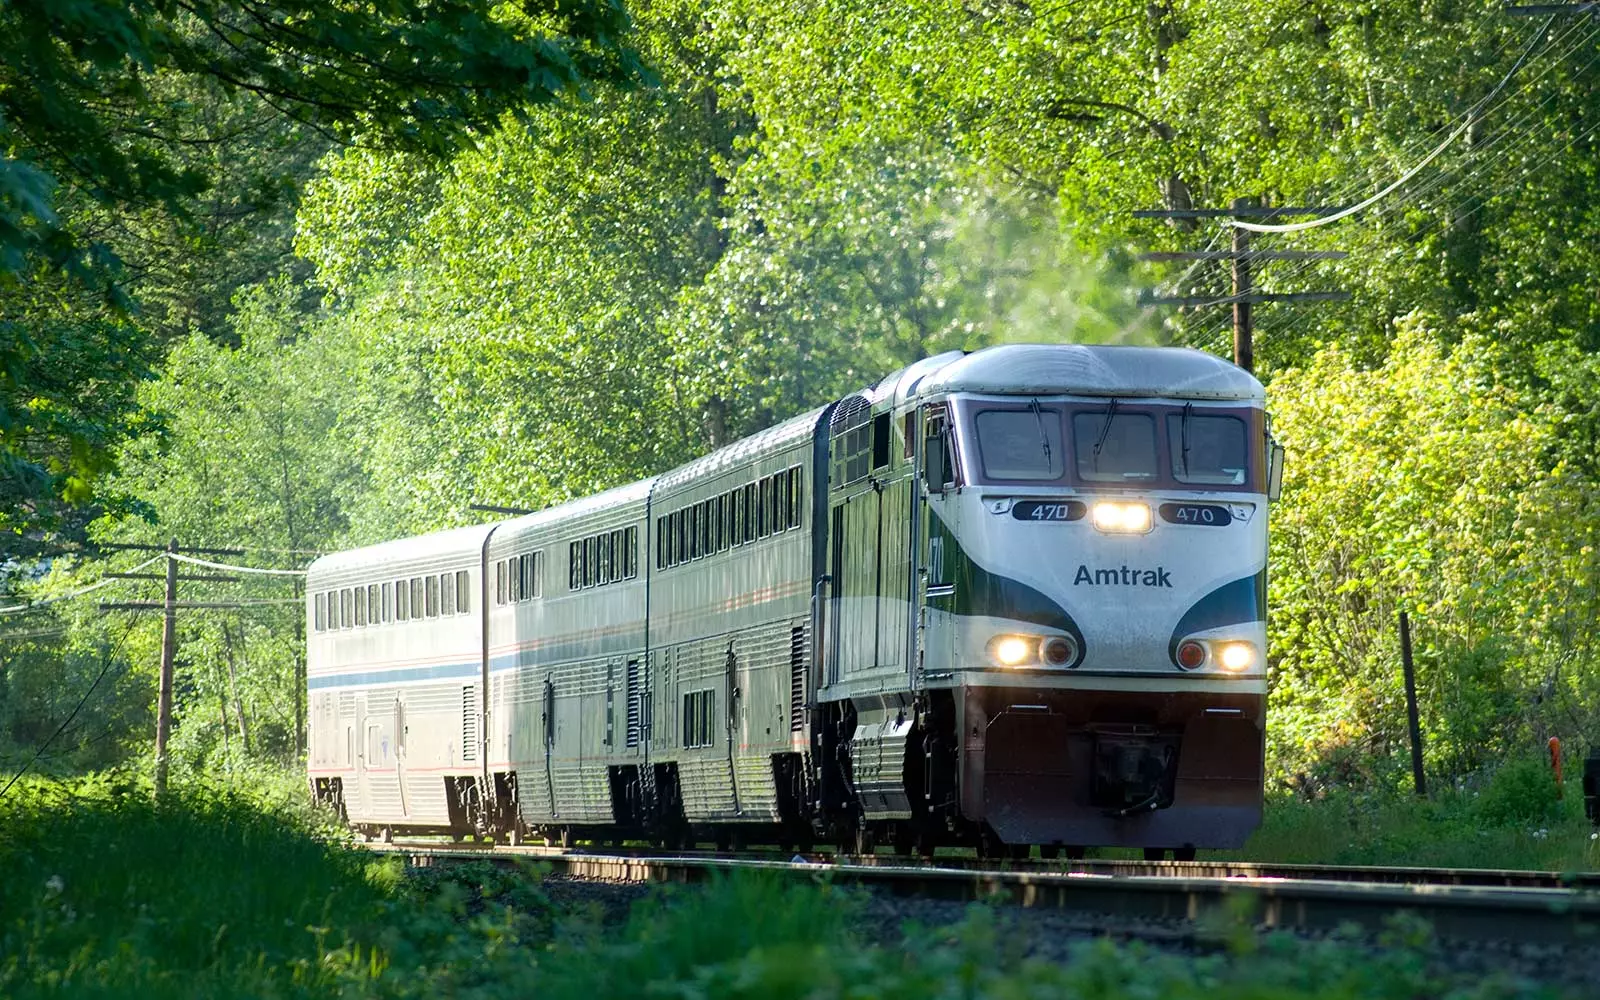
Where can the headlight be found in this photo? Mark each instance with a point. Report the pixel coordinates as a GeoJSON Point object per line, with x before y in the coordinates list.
{"type": "Point", "coordinates": [1012, 650]}
{"type": "Point", "coordinates": [1236, 656]}
{"type": "Point", "coordinates": [1121, 518]}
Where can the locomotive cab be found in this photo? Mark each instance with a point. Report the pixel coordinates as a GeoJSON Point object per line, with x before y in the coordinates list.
{"type": "Point", "coordinates": [1092, 575]}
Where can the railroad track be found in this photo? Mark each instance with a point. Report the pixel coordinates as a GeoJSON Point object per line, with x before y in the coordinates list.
{"type": "Point", "coordinates": [1464, 904]}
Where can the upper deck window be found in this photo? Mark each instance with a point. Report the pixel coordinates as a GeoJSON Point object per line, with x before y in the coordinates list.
{"type": "Point", "coordinates": [1208, 449]}
{"type": "Point", "coordinates": [1020, 444]}
{"type": "Point", "coordinates": [1113, 447]}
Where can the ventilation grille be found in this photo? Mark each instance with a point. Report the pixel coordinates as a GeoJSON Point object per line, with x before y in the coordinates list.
{"type": "Point", "coordinates": [797, 679]}
{"type": "Point", "coordinates": [635, 705]}
{"type": "Point", "coordinates": [852, 411]}
{"type": "Point", "coordinates": [469, 722]}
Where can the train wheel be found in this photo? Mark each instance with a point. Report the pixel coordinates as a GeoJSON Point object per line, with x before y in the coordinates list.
{"type": "Point", "coordinates": [1049, 852]}
{"type": "Point", "coordinates": [386, 835]}
{"type": "Point", "coordinates": [990, 846]}
{"type": "Point", "coordinates": [1075, 853]}
{"type": "Point", "coordinates": [565, 836]}
{"type": "Point", "coordinates": [905, 840]}
{"type": "Point", "coordinates": [1019, 852]}
{"type": "Point", "coordinates": [1155, 854]}
{"type": "Point", "coordinates": [1183, 854]}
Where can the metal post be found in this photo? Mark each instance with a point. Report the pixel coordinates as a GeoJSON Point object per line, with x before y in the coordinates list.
{"type": "Point", "coordinates": [1412, 720]}
{"type": "Point", "coordinates": [169, 642]}
{"type": "Point", "coordinates": [1243, 288]}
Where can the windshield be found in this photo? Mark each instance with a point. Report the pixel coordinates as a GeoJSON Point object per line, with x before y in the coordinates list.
{"type": "Point", "coordinates": [1130, 443]}
{"type": "Point", "coordinates": [1207, 449]}
{"type": "Point", "coordinates": [1020, 444]}
{"type": "Point", "coordinates": [1113, 446]}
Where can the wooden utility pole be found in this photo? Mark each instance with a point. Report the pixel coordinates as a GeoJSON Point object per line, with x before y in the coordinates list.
{"type": "Point", "coordinates": [1244, 294]}
{"type": "Point", "coordinates": [1244, 348]}
{"type": "Point", "coordinates": [1413, 721]}
{"type": "Point", "coordinates": [169, 606]}
{"type": "Point", "coordinates": [169, 645]}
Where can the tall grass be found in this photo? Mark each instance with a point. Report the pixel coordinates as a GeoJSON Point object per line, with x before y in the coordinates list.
{"type": "Point", "coordinates": [104, 891]}
{"type": "Point", "coordinates": [1514, 818]}
{"type": "Point", "coordinates": [216, 894]}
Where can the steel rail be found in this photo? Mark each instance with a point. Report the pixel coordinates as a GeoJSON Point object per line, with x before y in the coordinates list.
{"type": "Point", "coordinates": [1183, 891]}
{"type": "Point", "coordinates": [1385, 874]}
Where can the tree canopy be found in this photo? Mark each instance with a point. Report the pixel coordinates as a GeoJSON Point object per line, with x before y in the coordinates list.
{"type": "Point", "coordinates": [743, 209]}
{"type": "Point", "coordinates": [151, 145]}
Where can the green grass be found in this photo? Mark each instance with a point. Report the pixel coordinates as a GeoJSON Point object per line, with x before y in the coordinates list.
{"type": "Point", "coordinates": [105, 892]}
{"type": "Point", "coordinates": [1513, 820]}
{"type": "Point", "coordinates": [217, 894]}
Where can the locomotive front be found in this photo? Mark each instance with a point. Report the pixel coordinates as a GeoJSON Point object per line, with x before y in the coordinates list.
{"type": "Point", "coordinates": [1095, 582]}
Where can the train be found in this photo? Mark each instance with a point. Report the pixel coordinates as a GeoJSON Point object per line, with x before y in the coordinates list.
{"type": "Point", "coordinates": [1011, 599]}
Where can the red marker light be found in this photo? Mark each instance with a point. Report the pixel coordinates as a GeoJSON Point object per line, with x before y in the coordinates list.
{"type": "Point", "coordinates": [1191, 654]}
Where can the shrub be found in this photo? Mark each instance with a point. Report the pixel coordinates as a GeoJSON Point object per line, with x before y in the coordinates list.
{"type": "Point", "coordinates": [1522, 791]}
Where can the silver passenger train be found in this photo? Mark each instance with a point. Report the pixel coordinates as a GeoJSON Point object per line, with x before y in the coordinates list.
{"type": "Point", "coordinates": [1008, 598]}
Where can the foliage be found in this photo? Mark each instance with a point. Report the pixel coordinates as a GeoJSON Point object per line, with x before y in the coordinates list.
{"type": "Point", "coordinates": [82, 77]}
{"type": "Point", "coordinates": [249, 453]}
{"type": "Point", "coordinates": [1512, 820]}
{"type": "Point", "coordinates": [210, 895]}
{"type": "Point", "coordinates": [205, 894]}
{"type": "Point", "coordinates": [517, 300]}
{"type": "Point", "coordinates": [153, 147]}
{"type": "Point", "coordinates": [1428, 485]}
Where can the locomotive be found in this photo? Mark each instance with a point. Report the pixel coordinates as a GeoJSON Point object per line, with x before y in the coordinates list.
{"type": "Point", "coordinates": [1001, 599]}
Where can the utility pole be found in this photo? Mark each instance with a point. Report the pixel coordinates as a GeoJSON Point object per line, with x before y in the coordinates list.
{"type": "Point", "coordinates": [1419, 780]}
{"type": "Point", "coordinates": [1244, 348]}
{"type": "Point", "coordinates": [1244, 294]}
{"type": "Point", "coordinates": [169, 607]}
{"type": "Point", "coordinates": [169, 644]}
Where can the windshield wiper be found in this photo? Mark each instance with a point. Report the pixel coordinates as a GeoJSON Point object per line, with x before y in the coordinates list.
{"type": "Point", "coordinates": [1105, 429]}
{"type": "Point", "coordinates": [1044, 439]}
{"type": "Point", "coordinates": [1184, 434]}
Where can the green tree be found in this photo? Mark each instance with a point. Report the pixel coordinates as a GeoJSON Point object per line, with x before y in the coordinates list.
{"type": "Point", "coordinates": [112, 116]}
{"type": "Point", "coordinates": [1434, 485]}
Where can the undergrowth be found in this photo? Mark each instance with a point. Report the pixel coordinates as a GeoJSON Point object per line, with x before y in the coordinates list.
{"type": "Point", "coordinates": [213, 893]}
{"type": "Point", "coordinates": [1512, 818]}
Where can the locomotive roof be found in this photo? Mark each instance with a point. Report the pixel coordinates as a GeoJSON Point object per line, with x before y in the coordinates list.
{"type": "Point", "coordinates": [1093, 370]}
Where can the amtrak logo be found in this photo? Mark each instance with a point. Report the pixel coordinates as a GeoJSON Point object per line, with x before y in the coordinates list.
{"type": "Point", "coordinates": [1123, 576]}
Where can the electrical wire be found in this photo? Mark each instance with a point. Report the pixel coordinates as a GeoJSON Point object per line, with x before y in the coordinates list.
{"type": "Point", "coordinates": [1499, 148]}
{"type": "Point", "coordinates": [1501, 144]}
{"type": "Point", "coordinates": [237, 569]}
{"type": "Point", "coordinates": [1295, 227]}
{"type": "Point", "coordinates": [105, 666]}
{"type": "Point", "coordinates": [106, 582]}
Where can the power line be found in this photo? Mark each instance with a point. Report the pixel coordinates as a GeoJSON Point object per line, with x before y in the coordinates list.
{"type": "Point", "coordinates": [1499, 148]}
{"type": "Point", "coordinates": [105, 666]}
{"type": "Point", "coordinates": [1294, 227]}
{"type": "Point", "coordinates": [237, 569]}
{"type": "Point", "coordinates": [104, 582]}
{"type": "Point", "coordinates": [1503, 144]}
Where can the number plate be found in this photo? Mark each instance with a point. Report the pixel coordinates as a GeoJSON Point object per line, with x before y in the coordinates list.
{"type": "Point", "coordinates": [1048, 510]}
{"type": "Point", "coordinates": [1206, 514]}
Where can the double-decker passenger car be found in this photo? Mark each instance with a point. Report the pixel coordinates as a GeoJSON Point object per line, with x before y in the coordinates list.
{"type": "Point", "coordinates": [1005, 598]}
